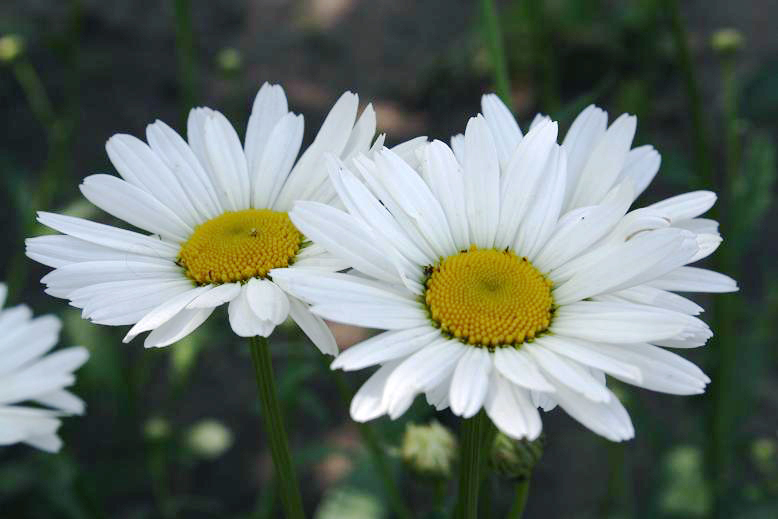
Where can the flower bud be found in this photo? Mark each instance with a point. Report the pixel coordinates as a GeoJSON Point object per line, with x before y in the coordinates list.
{"type": "Point", "coordinates": [229, 60]}
{"type": "Point", "coordinates": [349, 503]}
{"type": "Point", "coordinates": [727, 41]}
{"type": "Point", "coordinates": [515, 459]}
{"type": "Point", "coordinates": [156, 429]}
{"type": "Point", "coordinates": [429, 449]}
{"type": "Point", "coordinates": [11, 46]}
{"type": "Point", "coordinates": [209, 439]}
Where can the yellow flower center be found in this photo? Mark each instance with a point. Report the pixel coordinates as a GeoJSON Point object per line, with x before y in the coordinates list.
{"type": "Point", "coordinates": [240, 245]}
{"type": "Point", "coordinates": [489, 297]}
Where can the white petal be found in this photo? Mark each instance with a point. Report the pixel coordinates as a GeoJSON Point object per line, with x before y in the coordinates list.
{"type": "Point", "coordinates": [542, 215]}
{"type": "Point", "coordinates": [587, 354]}
{"type": "Point", "coordinates": [518, 367]}
{"type": "Point", "coordinates": [470, 382]}
{"type": "Point", "coordinates": [313, 326]}
{"type": "Point", "coordinates": [692, 279]}
{"type": "Point", "coordinates": [175, 329]}
{"type": "Point", "coordinates": [142, 168]}
{"type": "Point", "coordinates": [243, 320]}
{"type": "Point", "coordinates": [216, 296]}
{"type": "Point", "coordinates": [503, 126]}
{"type": "Point", "coordinates": [57, 251]}
{"type": "Point", "coordinates": [178, 156]}
{"type": "Point", "coordinates": [307, 175]}
{"type": "Point", "coordinates": [647, 256]}
{"type": "Point", "coordinates": [362, 134]}
{"type": "Point", "coordinates": [608, 419]}
{"type": "Point", "coordinates": [661, 370]}
{"type": "Point", "coordinates": [267, 300]}
{"type": "Point", "coordinates": [647, 295]}
{"type": "Point", "coordinates": [135, 206]}
{"type": "Point", "coordinates": [587, 129]}
{"type": "Point", "coordinates": [62, 400]}
{"type": "Point", "coordinates": [270, 171]}
{"type": "Point", "coordinates": [109, 236]}
{"type": "Point", "coordinates": [444, 175]}
{"type": "Point", "coordinates": [568, 373]}
{"type": "Point", "coordinates": [511, 410]}
{"type": "Point", "coordinates": [640, 167]}
{"type": "Point", "coordinates": [482, 182]}
{"type": "Point", "coordinates": [420, 372]}
{"type": "Point", "coordinates": [385, 347]}
{"type": "Point", "coordinates": [227, 162]}
{"type": "Point", "coordinates": [622, 323]}
{"type": "Point", "coordinates": [523, 176]}
{"type": "Point", "coordinates": [25, 343]}
{"type": "Point", "coordinates": [688, 205]}
{"type": "Point", "coordinates": [581, 228]}
{"type": "Point", "coordinates": [269, 107]}
{"type": "Point", "coordinates": [164, 312]}
{"type": "Point", "coordinates": [368, 402]}
{"type": "Point", "coordinates": [344, 236]}
{"type": "Point", "coordinates": [605, 162]}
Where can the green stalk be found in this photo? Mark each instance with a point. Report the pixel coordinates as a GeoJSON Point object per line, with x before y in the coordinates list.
{"type": "Point", "coordinates": [724, 404]}
{"type": "Point", "coordinates": [377, 454]}
{"type": "Point", "coordinates": [470, 463]}
{"type": "Point", "coordinates": [520, 500]}
{"type": "Point", "coordinates": [494, 42]}
{"type": "Point", "coordinates": [702, 158]}
{"type": "Point", "coordinates": [274, 427]}
{"type": "Point", "coordinates": [185, 50]}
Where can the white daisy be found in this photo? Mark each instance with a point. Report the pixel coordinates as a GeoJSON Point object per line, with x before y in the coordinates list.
{"type": "Point", "coordinates": [29, 375]}
{"type": "Point", "coordinates": [510, 276]}
{"type": "Point", "coordinates": [217, 211]}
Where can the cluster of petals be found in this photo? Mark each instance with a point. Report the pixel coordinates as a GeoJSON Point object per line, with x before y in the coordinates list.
{"type": "Point", "coordinates": [33, 382]}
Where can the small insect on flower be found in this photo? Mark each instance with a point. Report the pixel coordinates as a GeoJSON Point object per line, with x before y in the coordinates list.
{"type": "Point", "coordinates": [32, 380]}
{"type": "Point", "coordinates": [509, 273]}
{"type": "Point", "coordinates": [217, 211]}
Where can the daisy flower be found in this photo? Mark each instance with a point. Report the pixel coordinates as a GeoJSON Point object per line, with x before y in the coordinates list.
{"type": "Point", "coordinates": [29, 375]}
{"type": "Point", "coordinates": [217, 214]}
{"type": "Point", "coordinates": [510, 274]}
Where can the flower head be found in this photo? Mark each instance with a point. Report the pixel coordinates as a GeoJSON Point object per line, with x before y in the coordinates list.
{"type": "Point", "coordinates": [29, 374]}
{"type": "Point", "coordinates": [509, 275]}
{"type": "Point", "coordinates": [217, 213]}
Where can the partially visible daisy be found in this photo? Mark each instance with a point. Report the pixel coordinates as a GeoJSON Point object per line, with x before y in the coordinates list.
{"type": "Point", "coordinates": [29, 376]}
{"type": "Point", "coordinates": [510, 275]}
{"type": "Point", "coordinates": [217, 213]}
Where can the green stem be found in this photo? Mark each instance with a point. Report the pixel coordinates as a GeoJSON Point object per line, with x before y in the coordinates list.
{"type": "Point", "coordinates": [377, 454]}
{"type": "Point", "coordinates": [274, 426]}
{"type": "Point", "coordinates": [497, 51]}
{"type": "Point", "coordinates": [185, 49]}
{"type": "Point", "coordinates": [520, 500]}
{"type": "Point", "coordinates": [470, 463]}
{"type": "Point", "coordinates": [702, 156]}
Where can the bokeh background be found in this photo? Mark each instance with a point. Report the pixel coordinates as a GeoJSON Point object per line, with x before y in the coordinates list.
{"type": "Point", "coordinates": [176, 432]}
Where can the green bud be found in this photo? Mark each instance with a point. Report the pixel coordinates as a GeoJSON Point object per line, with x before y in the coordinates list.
{"type": "Point", "coordinates": [209, 439]}
{"type": "Point", "coordinates": [229, 60]}
{"type": "Point", "coordinates": [11, 46]}
{"type": "Point", "coordinates": [429, 449]}
{"type": "Point", "coordinates": [727, 41]}
{"type": "Point", "coordinates": [515, 459]}
{"type": "Point", "coordinates": [156, 429]}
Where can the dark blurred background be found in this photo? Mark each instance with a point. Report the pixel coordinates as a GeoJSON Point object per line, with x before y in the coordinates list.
{"type": "Point", "coordinates": [176, 432]}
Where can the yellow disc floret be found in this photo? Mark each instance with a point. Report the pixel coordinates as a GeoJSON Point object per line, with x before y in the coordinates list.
{"type": "Point", "coordinates": [240, 245]}
{"type": "Point", "coordinates": [489, 297]}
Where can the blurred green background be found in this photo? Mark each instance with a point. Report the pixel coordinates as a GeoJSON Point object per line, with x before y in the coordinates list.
{"type": "Point", "coordinates": [176, 432]}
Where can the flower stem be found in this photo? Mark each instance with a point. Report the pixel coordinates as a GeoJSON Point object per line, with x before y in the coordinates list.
{"type": "Point", "coordinates": [274, 426]}
{"type": "Point", "coordinates": [470, 463]}
{"type": "Point", "coordinates": [497, 51]}
{"type": "Point", "coordinates": [520, 501]}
